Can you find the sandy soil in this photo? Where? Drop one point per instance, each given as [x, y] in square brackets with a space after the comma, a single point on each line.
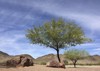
[44, 68]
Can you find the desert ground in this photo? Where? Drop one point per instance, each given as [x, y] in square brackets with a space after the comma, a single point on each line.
[44, 68]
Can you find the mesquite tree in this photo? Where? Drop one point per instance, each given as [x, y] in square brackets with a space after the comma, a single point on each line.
[57, 34]
[74, 55]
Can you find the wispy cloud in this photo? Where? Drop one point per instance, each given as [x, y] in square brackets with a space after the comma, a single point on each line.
[98, 49]
[87, 15]
[13, 46]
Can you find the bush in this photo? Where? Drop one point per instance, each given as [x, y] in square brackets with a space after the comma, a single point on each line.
[65, 62]
[43, 63]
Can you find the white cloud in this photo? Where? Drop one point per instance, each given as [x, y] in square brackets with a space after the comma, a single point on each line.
[9, 41]
[92, 48]
[90, 44]
[11, 44]
[88, 19]
[97, 49]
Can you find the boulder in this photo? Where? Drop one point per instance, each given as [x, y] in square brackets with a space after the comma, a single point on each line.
[20, 61]
[55, 64]
[62, 65]
[11, 63]
[25, 61]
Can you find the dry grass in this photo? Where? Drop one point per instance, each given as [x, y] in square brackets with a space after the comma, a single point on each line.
[44, 68]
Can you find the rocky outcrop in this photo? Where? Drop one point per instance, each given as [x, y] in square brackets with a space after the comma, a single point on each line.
[55, 64]
[20, 61]
[25, 61]
[12, 63]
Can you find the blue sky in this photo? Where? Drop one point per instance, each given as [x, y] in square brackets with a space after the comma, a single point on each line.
[16, 16]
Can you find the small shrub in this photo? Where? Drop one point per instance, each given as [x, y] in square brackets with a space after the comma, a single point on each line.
[43, 63]
[89, 64]
[65, 62]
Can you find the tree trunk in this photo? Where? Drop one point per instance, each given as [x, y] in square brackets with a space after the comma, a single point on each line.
[74, 63]
[58, 55]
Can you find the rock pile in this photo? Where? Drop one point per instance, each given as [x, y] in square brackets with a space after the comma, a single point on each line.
[55, 64]
[20, 61]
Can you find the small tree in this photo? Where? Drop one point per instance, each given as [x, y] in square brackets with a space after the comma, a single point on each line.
[74, 55]
[57, 35]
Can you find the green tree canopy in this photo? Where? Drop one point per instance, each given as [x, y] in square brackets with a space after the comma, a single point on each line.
[74, 55]
[57, 34]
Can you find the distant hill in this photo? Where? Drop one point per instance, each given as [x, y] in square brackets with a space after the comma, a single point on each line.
[3, 54]
[46, 58]
[4, 57]
[95, 59]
